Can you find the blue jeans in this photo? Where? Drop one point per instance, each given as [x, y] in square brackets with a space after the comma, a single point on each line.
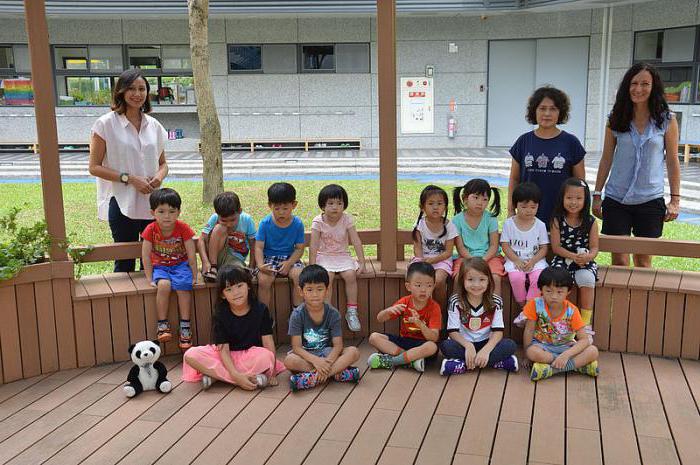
[124, 229]
[504, 349]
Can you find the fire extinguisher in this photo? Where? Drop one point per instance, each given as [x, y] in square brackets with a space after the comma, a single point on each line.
[451, 121]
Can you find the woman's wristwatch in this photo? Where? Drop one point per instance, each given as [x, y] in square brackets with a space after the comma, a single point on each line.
[124, 177]
[596, 194]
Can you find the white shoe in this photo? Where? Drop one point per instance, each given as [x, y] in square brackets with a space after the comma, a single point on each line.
[353, 320]
[418, 365]
[520, 320]
[206, 382]
[261, 380]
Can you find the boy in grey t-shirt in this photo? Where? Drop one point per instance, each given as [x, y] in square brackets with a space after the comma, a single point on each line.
[317, 339]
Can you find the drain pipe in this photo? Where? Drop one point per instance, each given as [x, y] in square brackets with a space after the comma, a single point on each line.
[603, 85]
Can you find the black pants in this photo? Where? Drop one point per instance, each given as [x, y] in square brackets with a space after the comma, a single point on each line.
[124, 229]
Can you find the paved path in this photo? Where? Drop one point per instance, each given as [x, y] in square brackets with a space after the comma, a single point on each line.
[448, 166]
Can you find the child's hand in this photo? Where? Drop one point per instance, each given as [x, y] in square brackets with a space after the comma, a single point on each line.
[244, 382]
[414, 318]
[272, 381]
[560, 361]
[284, 268]
[362, 269]
[520, 265]
[397, 309]
[323, 367]
[267, 268]
[527, 266]
[482, 358]
[470, 356]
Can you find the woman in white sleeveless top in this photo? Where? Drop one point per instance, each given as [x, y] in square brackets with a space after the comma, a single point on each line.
[127, 157]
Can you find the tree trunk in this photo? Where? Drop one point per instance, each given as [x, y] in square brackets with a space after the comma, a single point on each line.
[209, 127]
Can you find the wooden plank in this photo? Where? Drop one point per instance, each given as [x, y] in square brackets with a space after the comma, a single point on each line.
[120, 284]
[508, 310]
[137, 318]
[9, 336]
[203, 308]
[398, 390]
[368, 443]
[10, 390]
[172, 347]
[656, 314]
[581, 399]
[691, 370]
[480, 424]
[690, 283]
[120, 328]
[511, 444]
[397, 456]
[468, 459]
[78, 290]
[618, 276]
[363, 304]
[657, 451]
[391, 295]
[620, 317]
[257, 450]
[122, 443]
[636, 327]
[28, 331]
[327, 452]
[518, 398]
[690, 347]
[642, 279]
[548, 425]
[376, 304]
[149, 308]
[103, 331]
[601, 317]
[667, 280]
[84, 335]
[46, 324]
[681, 409]
[457, 394]
[96, 286]
[65, 330]
[673, 326]
[583, 447]
[616, 423]
[142, 285]
[283, 308]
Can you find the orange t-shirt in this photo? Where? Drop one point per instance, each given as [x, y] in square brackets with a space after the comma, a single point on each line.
[430, 315]
[557, 331]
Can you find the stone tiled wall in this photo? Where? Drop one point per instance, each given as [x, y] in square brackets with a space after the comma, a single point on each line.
[345, 105]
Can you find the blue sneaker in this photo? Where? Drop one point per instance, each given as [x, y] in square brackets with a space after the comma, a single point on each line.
[453, 366]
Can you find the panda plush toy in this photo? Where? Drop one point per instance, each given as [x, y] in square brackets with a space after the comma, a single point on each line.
[148, 373]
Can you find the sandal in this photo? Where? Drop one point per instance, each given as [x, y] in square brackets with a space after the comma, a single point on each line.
[211, 275]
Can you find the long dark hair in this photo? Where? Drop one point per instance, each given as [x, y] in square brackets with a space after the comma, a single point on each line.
[123, 82]
[477, 186]
[425, 193]
[623, 110]
[559, 212]
[479, 265]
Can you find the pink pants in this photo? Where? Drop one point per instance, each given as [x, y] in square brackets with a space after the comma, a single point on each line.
[517, 285]
[252, 361]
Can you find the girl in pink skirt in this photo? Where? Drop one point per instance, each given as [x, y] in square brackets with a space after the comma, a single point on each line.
[243, 352]
[434, 238]
[331, 233]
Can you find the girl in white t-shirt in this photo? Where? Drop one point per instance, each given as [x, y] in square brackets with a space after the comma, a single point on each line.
[331, 233]
[434, 238]
[524, 241]
[475, 324]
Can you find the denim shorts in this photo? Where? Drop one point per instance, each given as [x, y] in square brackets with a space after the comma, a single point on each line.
[554, 349]
[323, 353]
[180, 276]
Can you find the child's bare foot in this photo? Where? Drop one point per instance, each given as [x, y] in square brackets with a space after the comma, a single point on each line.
[272, 381]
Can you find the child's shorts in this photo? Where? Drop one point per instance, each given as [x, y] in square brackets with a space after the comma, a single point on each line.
[496, 265]
[275, 261]
[323, 353]
[444, 265]
[227, 258]
[337, 264]
[180, 276]
[252, 361]
[554, 349]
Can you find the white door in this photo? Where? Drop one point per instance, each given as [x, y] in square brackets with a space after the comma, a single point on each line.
[560, 62]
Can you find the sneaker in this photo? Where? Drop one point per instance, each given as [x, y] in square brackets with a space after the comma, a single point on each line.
[508, 364]
[165, 334]
[261, 380]
[541, 371]
[353, 320]
[591, 369]
[348, 375]
[452, 366]
[185, 338]
[206, 382]
[418, 365]
[303, 380]
[520, 320]
[377, 360]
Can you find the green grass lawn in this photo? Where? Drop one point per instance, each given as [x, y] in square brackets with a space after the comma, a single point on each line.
[84, 228]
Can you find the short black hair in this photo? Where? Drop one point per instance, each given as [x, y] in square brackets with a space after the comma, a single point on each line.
[165, 195]
[313, 274]
[526, 192]
[420, 268]
[560, 99]
[230, 275]
[281, 192]
[332, 191]
[122, 85]
[227, 204]
[555, 276]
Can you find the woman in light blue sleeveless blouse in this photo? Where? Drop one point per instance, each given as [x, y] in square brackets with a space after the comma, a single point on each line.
[640, 132]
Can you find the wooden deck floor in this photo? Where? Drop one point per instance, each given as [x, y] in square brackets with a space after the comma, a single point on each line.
[641, 410]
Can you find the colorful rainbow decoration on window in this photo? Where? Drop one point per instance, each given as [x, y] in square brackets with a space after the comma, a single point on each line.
[18, 91]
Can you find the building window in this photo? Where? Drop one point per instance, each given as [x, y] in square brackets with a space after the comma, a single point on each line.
[677, 83]
[145, 57]
[245, 58]
[84, 90]
[15, 76]
[316, 58]
[176, 57]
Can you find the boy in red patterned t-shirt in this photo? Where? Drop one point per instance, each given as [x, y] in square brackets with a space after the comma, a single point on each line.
[169, 260]
[419, 325]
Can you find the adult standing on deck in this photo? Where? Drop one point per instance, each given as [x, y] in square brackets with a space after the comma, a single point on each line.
[640, 133]
[546, 156]
[127, 157]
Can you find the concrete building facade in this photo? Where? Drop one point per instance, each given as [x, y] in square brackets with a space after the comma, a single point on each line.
[299, 105]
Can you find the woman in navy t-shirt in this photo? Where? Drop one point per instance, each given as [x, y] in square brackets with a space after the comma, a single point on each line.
[546, 156]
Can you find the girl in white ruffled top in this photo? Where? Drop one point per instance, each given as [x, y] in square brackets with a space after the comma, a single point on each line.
[331, 233]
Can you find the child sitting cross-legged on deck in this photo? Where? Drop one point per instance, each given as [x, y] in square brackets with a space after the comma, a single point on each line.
[420, 320]
[555, 338]
[317, 353]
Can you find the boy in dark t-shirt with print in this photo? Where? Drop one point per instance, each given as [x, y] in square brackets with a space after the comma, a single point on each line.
[169, 261]
[420, 320]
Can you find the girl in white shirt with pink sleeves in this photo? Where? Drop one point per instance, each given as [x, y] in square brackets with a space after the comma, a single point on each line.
[331, 233]
[127, 156]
